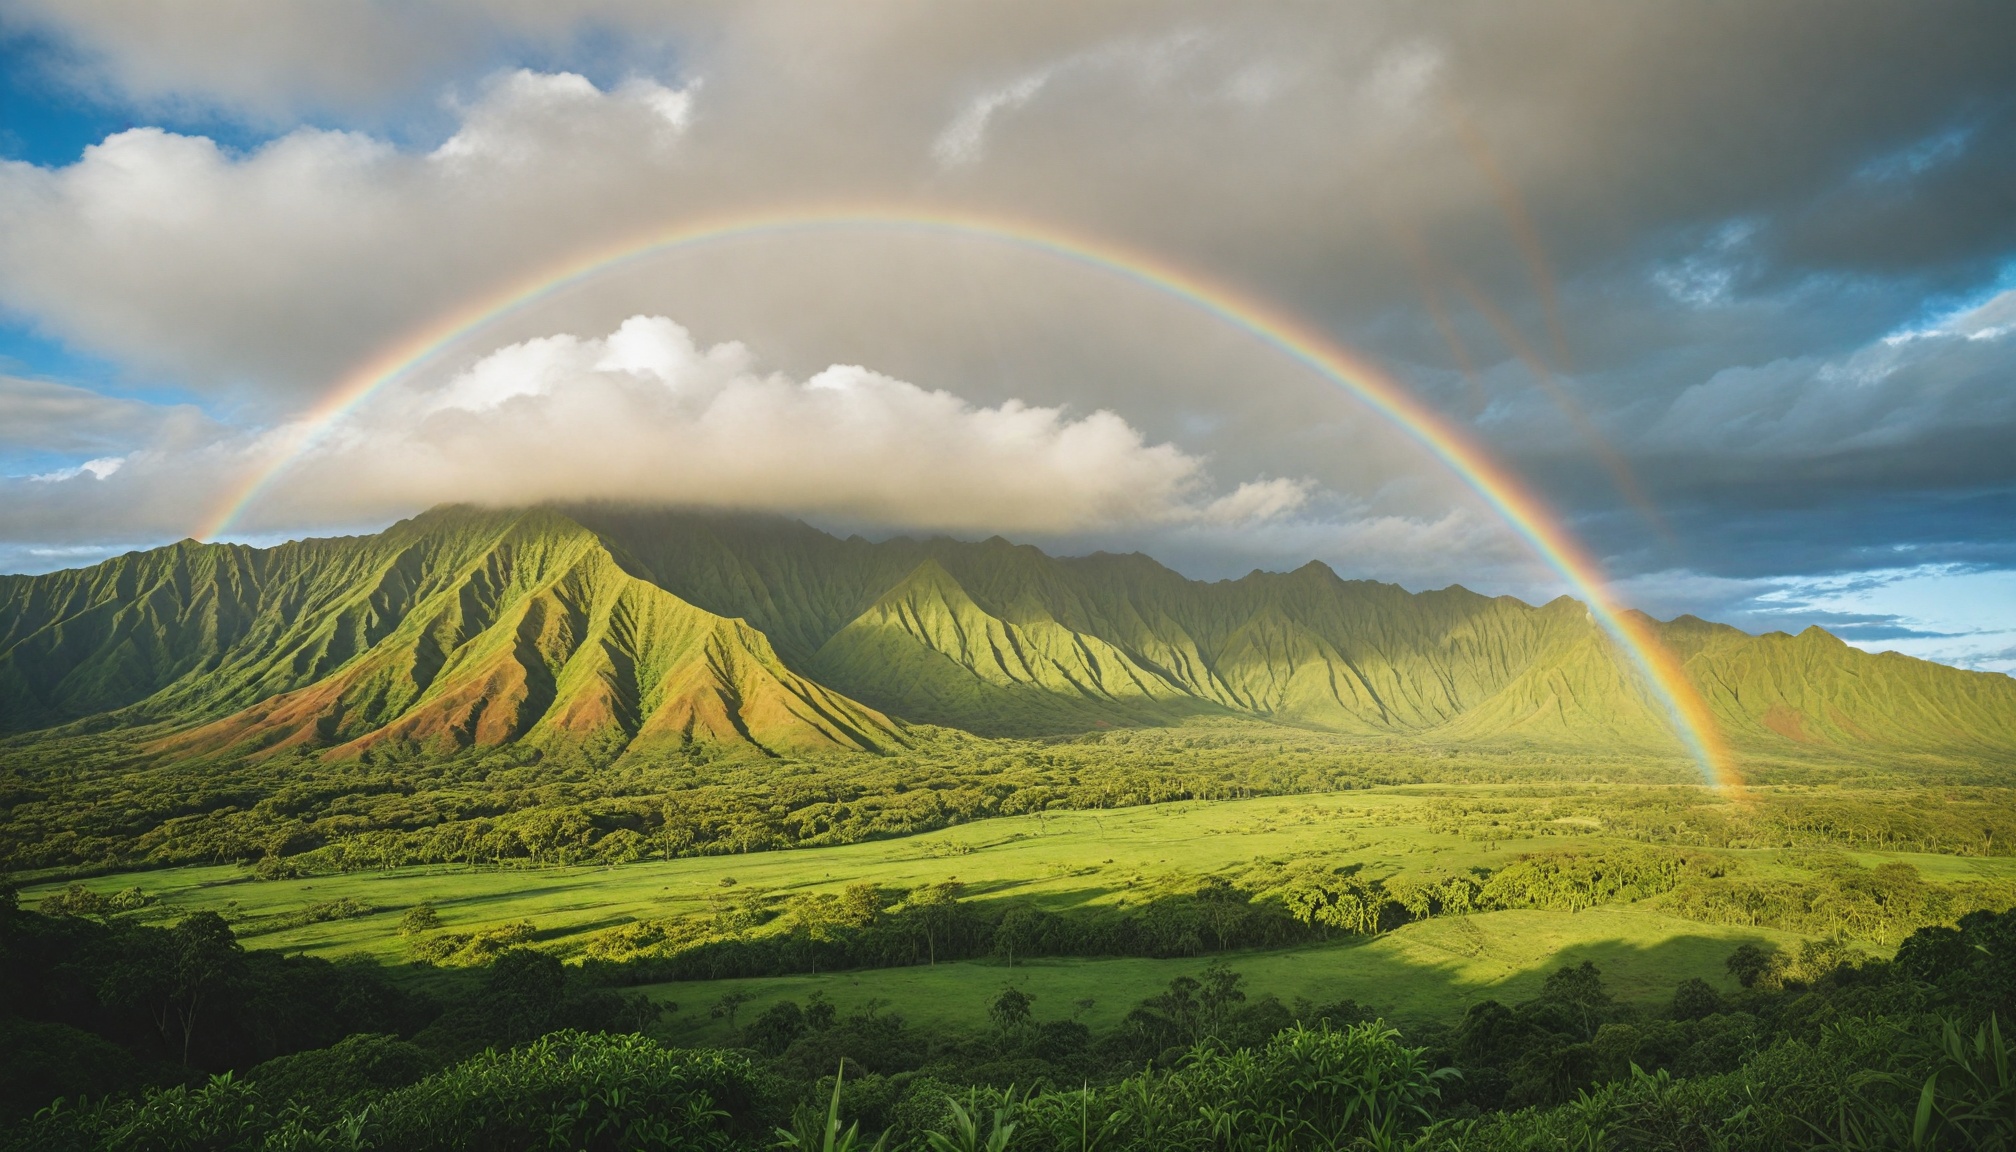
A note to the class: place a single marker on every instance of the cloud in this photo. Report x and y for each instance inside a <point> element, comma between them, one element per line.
<point>97,469</point>
<point>1898,394</point>
<point>644,414</point>
<point>260,274</point>
<point>1292,151</point>
<point>272,61</point>
<point>527,115</point>
<point>1151,62</point>
<point>43,416</point>
<point>1742,296</point>
<point>1953,613</point>
<point>961,141</point>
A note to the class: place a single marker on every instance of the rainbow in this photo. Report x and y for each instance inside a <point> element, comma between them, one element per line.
<point>1504,493</point>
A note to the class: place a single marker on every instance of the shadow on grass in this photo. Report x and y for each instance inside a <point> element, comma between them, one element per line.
<point>1400,979</point>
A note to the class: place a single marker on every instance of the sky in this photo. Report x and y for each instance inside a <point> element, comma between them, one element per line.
<point>1731,287</point>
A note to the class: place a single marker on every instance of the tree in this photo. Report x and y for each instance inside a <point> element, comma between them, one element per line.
<point>208,963</point>
<point>811,925</point>
<point>772,1031</point>
<point>1694,999</point>
<point>861,905</point>
<point>1179,1008</point>
<point>176,975</point>
<point>76,900</point>
<point>524,989</point>
<point>678,831</point>
<point>936,906</point>
<point>1224,909</point>
<point>1751,965</point>
<point>419,918</point>
<point>1218,993</point>
<point>555,835</point>
<point>1577,992</point>
<point>1011,1010</point>
<point>1020,929</point>
<point>729,1005</point>
<point>623,846</point>
<point>819,1013</point>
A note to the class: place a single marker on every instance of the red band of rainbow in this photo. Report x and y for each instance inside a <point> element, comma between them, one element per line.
<point>1505,494</point>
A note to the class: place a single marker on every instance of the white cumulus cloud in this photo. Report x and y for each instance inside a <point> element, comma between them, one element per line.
<point>191,262</point>
<point>645,414</point>
<point>97,469</point>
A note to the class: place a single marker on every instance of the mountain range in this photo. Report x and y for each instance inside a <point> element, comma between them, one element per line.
<point>607,633</point>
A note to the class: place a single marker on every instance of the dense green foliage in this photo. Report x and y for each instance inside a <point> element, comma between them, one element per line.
<point>1264,906</point>
<point>575,632</point>
<point>1818,1054</point>
<point>518,809</point>
<point>125,999</point>
<point>566,1090</point>
<point>303,814</point>
<point>546,688</point>
<point>412,743</point>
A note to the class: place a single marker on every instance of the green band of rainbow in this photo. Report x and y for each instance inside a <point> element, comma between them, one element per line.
<point>1506,495</point>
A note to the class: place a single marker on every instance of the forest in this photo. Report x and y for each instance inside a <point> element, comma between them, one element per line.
<point>96,802</point>
<point>526,829</point>
<point>628,575</point>
<point>128,1036</point>
<point>1857,1000</point>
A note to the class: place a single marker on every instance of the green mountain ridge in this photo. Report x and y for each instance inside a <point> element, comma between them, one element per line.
<point>600,633</point>
<point>446,631</point>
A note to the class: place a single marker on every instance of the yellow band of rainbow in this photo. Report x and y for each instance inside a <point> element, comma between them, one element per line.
<point>1505,494</point>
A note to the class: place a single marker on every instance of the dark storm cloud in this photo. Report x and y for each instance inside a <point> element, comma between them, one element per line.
<point>44,416</point>
<point>1751,251</point>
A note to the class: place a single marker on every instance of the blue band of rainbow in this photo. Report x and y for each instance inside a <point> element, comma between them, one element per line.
<point>1505,494</point>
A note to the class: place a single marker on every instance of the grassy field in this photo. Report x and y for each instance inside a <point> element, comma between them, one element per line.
<point>1062,861</point>
<point>1432,970</point>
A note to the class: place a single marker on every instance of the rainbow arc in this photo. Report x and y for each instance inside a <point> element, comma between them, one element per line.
<point>1504,493</point>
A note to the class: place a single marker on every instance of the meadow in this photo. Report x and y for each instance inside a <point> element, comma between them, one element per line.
<point>1076,862</point>
<point>1502,950</point>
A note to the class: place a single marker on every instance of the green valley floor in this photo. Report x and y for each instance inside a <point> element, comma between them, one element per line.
<point>1430,969</point>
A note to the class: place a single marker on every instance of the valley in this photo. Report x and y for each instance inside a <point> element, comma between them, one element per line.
<point>1084,863</point>
<point>739,789</point>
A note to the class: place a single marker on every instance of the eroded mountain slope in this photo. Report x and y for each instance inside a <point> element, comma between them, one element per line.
<point>602,632</point>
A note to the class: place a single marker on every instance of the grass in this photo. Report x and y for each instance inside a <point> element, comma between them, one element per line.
<point>1062,861</point>
<point>1432,970</point>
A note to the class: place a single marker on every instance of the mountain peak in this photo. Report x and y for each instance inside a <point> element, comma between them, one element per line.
<point>607,631</point>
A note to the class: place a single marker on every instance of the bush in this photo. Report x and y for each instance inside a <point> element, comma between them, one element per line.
<point>224,1115</point>
<point>471,950</point>
<point>1305,1088</point>
<point>1751,965</point>
<point>346,1075</point>
<point>1694,1000</point>
<point>76,900</point>
<point>41,1061</point>
<point>580,1091</point>
<point>419,918</point>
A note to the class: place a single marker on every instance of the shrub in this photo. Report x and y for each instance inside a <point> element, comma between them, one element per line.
<point>579,1091</point>
<point>76,900</point>
<point>472,949</point>
<point>224,1115</point>
<point>1694,1000</point>
<point>345,1075</point>
<point>41,1061</point>
<point>1305,1088</point>
<point>419,918</point>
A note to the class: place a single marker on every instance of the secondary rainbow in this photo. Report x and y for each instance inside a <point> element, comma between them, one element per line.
<point>1506,495</point>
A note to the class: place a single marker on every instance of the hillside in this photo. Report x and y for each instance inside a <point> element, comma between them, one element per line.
<point>452,630</point>
<point>598,633</point>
